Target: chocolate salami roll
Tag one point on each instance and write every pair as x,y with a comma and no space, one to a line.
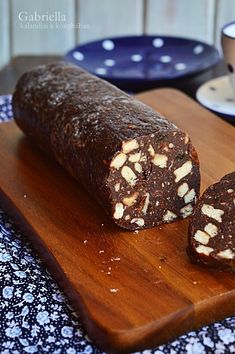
140,167
212,227
230,176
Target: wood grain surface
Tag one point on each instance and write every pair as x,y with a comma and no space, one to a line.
133,290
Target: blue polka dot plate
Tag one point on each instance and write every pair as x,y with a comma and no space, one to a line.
143,60
217,96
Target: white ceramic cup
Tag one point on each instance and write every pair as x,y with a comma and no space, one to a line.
228,45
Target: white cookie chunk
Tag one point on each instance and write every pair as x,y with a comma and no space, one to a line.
129,146
204,249
189,197
118,161
151,151
211,229
117,187
160,160
128,175
143,158
138,167
212,213
186,139
119,210
169,216
227,254
138,221
146,203
182,189
202,237
183,171
134,157
129,201
186,211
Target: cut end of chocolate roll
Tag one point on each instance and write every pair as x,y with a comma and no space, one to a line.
212,227
153,182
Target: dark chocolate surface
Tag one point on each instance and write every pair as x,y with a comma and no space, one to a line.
230,176
88,125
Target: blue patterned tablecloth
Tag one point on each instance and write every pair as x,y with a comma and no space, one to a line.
36,317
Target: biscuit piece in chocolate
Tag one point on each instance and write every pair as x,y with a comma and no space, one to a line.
141,168
212,227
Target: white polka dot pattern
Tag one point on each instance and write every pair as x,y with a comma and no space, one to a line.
136,57
198,49
165,59
217,94
109,62
108,44
101,71
180,66
158,42
78,56
144,58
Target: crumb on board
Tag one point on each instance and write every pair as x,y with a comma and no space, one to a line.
115,259
85,241
101,251
163,259
114,290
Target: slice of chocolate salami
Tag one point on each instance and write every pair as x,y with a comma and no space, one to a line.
229,177
140,167
212,227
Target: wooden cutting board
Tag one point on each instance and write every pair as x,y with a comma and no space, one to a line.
133,289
